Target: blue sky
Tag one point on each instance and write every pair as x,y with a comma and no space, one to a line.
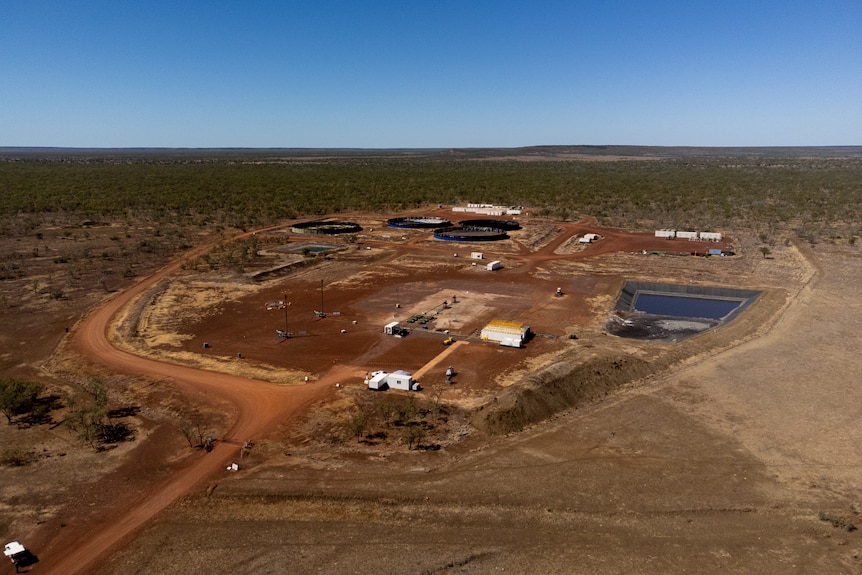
436,73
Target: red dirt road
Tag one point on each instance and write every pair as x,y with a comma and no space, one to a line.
259,408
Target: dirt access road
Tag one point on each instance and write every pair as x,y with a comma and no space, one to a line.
258,407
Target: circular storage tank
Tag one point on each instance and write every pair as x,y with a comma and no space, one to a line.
326,228
418,223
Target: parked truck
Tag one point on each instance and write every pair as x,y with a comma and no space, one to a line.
17,554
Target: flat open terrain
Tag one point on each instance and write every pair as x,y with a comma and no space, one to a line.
722,453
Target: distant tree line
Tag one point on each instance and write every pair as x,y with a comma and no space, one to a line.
684,193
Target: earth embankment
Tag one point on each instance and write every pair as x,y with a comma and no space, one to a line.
558,387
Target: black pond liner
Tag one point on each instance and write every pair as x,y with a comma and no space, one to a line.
418,223
311,247
470,234
329,228
672,312
506,225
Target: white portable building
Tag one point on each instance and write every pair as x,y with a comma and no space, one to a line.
710,236
477,255
508,333
666,234
588,238
377,380
494,265
380,380
402,380
389,328
687,235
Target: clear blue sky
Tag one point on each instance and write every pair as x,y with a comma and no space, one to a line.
433,73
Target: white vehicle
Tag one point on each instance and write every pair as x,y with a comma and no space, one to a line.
16,553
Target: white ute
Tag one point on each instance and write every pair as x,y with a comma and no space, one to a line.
16,553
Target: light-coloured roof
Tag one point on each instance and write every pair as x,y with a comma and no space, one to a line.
13,548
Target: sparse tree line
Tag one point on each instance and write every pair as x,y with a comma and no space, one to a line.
85,414
409,422
683,193
235,255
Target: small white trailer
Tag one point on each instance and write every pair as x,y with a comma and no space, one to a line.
690,236
494,265
588,238
377,380
477,255
392,328
666,234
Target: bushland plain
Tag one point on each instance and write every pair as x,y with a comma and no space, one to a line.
737,450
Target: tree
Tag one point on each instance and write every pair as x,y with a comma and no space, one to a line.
194,427
358,424
765,251
413,435
90,419
18,397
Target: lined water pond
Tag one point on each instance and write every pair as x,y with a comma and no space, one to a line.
684,306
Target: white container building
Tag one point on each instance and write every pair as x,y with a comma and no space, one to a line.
477,255
389,328
377,380
494,265
402,380
380,380
710,236
489,209
666,234
588,238
691,236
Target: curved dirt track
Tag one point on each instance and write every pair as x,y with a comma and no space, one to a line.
259,407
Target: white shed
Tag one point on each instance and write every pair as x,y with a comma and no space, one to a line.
666,234
691,236
389,328
710,236
588,238
477,255
402,380
508,333
494,265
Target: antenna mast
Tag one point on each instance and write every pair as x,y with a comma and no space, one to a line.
322,309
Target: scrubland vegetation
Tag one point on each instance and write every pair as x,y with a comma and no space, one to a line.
818,197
